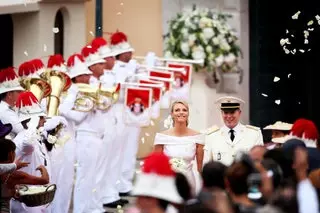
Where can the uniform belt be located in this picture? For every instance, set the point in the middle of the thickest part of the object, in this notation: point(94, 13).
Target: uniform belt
point(88, 132)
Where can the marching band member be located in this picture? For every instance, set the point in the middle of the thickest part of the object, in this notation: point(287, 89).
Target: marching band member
point(9, 91)
point(108, 194)
point(30, 147)
point(88, 139)
point(123, 49)
point(223, 144)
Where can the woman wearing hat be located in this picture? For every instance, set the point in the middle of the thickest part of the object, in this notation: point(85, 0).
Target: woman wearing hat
point(279, 133)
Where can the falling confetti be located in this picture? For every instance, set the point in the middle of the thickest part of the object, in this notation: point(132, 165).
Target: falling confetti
point(121, 3)
point(265, 95)
point(142, 139)
point(309, 50)
point(287, 31)
point(306, 33)
point(91, 33)
point(276, 79)
point(141, 163)
point(278, 102)
point(310, 23)
point(94, 190)
point(289, 75)
point(26, 53)
point(299, 102)
point(310, 29)
point(293, 51)
point(55, 30)
point(99, 28)
point(119, 13)
point(147, 134)
point(296, 15)
point(301, 50)
point(292, 36)
point(44, 48)
point(152, 123)
point(317, 17)
point(284, 41)
point(306, 41)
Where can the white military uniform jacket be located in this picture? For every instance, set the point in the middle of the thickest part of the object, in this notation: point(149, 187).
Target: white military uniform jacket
point(219, 146)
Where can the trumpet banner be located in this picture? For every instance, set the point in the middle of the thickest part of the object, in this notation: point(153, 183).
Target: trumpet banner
point(181, 88)
point(138, 106)
point(166, 92)
point(156, 97)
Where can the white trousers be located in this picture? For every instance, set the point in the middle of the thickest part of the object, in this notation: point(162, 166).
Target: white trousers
point(17, 207)
point(65, 180)
point(130, 157)
point(87, 155)
point(116, 143)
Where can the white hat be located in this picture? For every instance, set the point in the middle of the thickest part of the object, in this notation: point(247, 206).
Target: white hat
point(120, 44)
point(91, 56)
point(77, 66)
point(9, 81)
point(157, 179)
point(57, 63)
point(28, 106)
point(103, 48)
point(31, 69)
point(281, 139)
point(279, 125)
point(230, 103)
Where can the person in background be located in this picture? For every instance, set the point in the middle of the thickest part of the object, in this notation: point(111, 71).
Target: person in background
point(279, 133)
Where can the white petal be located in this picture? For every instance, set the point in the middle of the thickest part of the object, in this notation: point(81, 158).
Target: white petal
point(121, 3)
point(278, 101)
point(265, 95)
point(94, 190)
point(292, 35)
point(293, 51)
point(317, 17)
point(287, 31)
point(306, 33)
point(141, 163)
point(319, 22)
point(276, 79)
point(26, 53)
point(296, 15)
point(301, 50)
point(45, 48)
point(91, 33)
point(286, 51)
point(309, 50)
point(119, 13)
point(299, 102)
point(289, 75)
point(306, 41)
point(310, 23)
point(152, 123)
point(55, 30)
point(310, 29)
point(142, 139)
point(147, 134)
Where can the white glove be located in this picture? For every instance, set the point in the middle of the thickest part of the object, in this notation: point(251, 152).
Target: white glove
point(151, 59)
point(73, 89)
point(53, 122)
point(132, 66)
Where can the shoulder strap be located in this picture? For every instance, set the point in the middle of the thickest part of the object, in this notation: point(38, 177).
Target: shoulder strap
point(253, 127)
point(210, 130)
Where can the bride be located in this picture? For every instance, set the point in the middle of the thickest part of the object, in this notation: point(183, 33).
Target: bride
point(182, 142)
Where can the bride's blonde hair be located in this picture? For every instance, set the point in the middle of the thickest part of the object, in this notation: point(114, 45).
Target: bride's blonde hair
point(184, 104)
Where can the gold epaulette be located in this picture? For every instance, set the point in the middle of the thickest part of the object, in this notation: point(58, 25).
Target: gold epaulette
point(210, 130)
point(253, 127)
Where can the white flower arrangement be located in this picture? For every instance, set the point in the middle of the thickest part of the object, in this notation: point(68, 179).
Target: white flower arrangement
point(178, 165)
point(203, 34)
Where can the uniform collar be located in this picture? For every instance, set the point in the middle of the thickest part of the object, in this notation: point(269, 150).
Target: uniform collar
point(236, 129)
point(4, 105)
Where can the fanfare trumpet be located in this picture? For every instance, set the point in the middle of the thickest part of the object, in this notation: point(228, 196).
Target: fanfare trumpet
point(89, 97)
point(59, 82)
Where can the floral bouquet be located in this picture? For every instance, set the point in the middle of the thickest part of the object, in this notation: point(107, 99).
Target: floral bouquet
point(178, 165)
point(203, 34)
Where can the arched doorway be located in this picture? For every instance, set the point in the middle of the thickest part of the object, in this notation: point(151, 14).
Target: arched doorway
point(59, 36)
point(6, 41)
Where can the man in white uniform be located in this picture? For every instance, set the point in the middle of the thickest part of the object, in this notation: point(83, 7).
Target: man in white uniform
point(9, 91)
point(124, 51)
point(222, 144)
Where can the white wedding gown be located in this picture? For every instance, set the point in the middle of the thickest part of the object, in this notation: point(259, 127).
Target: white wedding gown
point(182, 147)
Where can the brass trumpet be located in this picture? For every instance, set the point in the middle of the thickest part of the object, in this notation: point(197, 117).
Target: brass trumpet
point(37, 86)
point(86, 98)
point(107, 97)
point(59, 82)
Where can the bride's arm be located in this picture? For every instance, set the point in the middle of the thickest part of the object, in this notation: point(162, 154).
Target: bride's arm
point(199, 156)
point(158, 148)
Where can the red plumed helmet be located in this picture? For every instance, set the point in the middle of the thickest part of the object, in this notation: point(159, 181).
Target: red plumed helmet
point(26, 98)
point(98, 42)
point(9, 81)
point(71, 59)
point(91, 56)
point(158, 163)
point(157, 179)
point(102, 46)
point(56, 62)
point(119, 43)
point(28, 106)
point(305, 130)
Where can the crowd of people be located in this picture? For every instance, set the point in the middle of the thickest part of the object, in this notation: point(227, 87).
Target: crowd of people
point(65, 124)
